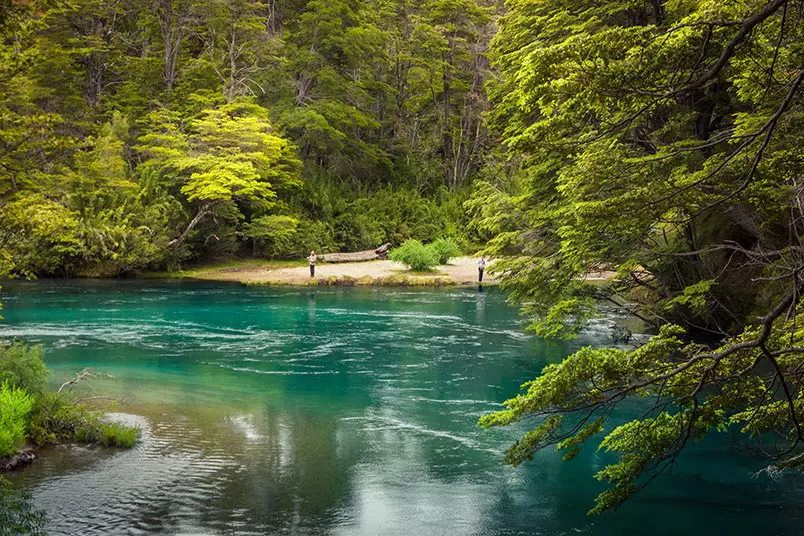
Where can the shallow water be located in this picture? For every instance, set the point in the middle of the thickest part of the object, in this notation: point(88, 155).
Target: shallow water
point(336, 411)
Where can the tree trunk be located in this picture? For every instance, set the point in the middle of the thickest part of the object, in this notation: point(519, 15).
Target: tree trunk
point(172, 22)
point(205, 210)
point(447, 149)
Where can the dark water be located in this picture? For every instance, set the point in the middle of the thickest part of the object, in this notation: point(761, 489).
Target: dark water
point(286, 411)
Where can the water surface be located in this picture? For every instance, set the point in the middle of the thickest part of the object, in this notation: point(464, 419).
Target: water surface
point(336, 411)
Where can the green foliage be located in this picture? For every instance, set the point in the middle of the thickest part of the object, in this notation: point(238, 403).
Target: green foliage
point(311, 236)
point(54, 420)
point(446, 249)
point(273, 235)
point(57, 418)
point(27, 410)
point(415, 255)
point(15, 405)
point(140, 137)
point(114, 434)
point(43, 235)
point(661, 142)
point(22, 366)
point(18, 515)
point(693, 297)
point(364, 219)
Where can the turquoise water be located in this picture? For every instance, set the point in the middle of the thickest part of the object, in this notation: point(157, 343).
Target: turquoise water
point(343, 411)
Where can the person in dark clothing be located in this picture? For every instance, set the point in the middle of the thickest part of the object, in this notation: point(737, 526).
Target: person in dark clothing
point(481, 265)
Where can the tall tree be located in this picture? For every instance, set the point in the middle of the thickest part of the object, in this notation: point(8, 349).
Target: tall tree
point(175, 18)
point(331, 49)
point(451, 34)
point(238, 43)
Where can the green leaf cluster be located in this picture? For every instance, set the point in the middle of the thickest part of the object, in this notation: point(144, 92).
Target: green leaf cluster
point(446, 248)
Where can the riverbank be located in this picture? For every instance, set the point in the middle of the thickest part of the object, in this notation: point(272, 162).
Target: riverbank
point(460, 271)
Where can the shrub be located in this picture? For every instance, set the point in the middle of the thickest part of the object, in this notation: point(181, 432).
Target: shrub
point(23, 367)
point(445, 248)
point(15, 405)
point(57, 420)
point(415, 255)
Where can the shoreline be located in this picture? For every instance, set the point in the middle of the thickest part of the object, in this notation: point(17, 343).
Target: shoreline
point(461, 271)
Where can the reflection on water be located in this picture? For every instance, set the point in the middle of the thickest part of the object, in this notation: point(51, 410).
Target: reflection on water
point(349, 411)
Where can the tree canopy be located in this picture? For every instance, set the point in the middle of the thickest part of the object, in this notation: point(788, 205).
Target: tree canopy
point(661, 141)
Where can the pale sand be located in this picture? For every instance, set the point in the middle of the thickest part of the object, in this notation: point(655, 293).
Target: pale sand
point(460, 271)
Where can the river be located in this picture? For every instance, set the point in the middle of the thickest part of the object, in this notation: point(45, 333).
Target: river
point(336, 411)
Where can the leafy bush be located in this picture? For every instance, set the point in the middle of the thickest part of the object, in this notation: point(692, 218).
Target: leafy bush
point(23, 367)
point(414, 254)
point(57, 419)
point(445, 248)
point(15, 405)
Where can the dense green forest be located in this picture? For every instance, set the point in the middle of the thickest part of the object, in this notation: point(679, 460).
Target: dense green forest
point(145, 133)
point(660, 140)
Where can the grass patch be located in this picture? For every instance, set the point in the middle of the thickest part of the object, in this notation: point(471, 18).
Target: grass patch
point(113, 434)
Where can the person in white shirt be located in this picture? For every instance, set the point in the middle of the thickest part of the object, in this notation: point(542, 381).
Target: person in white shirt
point(311, 261)
point(481, 265)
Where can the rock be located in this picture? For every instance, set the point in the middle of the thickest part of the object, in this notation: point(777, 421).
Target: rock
point(19, 461)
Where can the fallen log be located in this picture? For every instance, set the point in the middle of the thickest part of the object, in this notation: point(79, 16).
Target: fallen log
point(357, 256)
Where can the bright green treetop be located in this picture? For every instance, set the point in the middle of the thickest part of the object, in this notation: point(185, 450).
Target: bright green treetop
point(228, 154)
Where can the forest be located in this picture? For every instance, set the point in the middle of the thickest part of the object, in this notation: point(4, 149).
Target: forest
point(146, 134)
point(659, 140)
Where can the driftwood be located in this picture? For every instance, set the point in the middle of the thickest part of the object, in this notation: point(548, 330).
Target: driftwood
point(81, 376)
point(358, 256)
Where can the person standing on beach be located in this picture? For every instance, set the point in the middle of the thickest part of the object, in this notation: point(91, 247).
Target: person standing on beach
point(311, 261)
point(481, 265)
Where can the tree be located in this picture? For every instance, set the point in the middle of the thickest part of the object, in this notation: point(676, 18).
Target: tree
point(451, 66)
point(332, 53)
point(238, 44)
point(663, 142)
point(229, 153)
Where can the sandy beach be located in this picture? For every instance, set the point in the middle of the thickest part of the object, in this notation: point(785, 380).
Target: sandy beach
point(460, 271)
